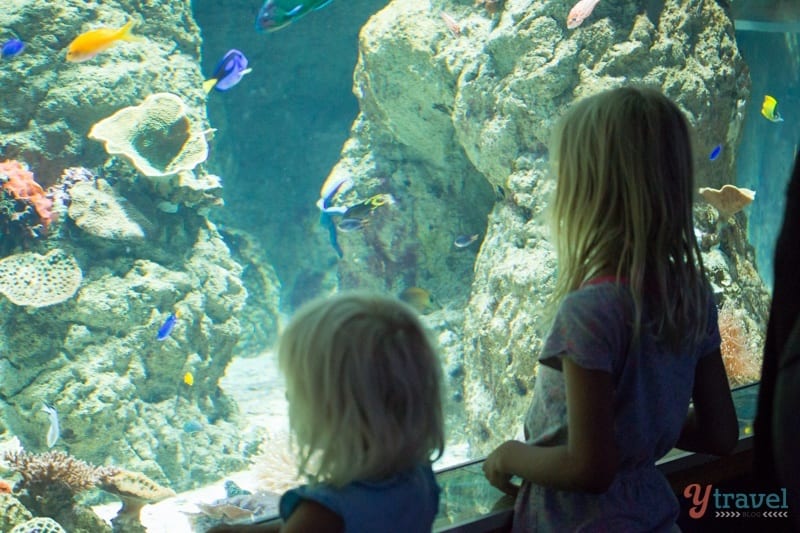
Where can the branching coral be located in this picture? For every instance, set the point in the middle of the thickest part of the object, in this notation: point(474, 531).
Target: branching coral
point(742, 363)
point(40, 472)
point(50, 481)
point(53, 479)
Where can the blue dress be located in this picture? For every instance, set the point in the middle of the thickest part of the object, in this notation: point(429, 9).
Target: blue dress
point(405, 502)
point(652, 389)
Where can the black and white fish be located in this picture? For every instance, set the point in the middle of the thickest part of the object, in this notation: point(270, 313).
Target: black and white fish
point(462, 241)
point(55, 430)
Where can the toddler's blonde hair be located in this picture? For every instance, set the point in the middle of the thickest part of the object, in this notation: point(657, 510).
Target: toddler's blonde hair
point(623, 206)
point(363, 385)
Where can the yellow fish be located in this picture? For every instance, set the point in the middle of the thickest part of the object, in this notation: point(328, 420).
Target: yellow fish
point(419, 299)
point(90, 43)
point(379, 200)
point(768, 109)
point(188, 378)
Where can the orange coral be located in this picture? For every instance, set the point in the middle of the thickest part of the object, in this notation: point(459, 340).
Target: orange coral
point(5, 487)
point(19, 182)
point(742, 363)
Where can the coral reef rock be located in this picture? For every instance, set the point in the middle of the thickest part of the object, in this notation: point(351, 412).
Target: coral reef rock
point(39, 280)
point(51, 103)
point(12, 512)
point(97, 210)
point(119, 390)
point(96, 358)
point(191, 190)
point(157, 136)
point(474, 122)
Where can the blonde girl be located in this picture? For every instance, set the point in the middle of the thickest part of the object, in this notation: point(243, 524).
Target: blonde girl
point(634, 336)
point(363, 385)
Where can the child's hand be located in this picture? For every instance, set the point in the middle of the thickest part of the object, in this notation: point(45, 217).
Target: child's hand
point(496, 472)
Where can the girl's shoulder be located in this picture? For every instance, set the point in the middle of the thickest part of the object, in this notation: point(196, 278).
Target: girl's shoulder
point(382, 501)
point(599, 294)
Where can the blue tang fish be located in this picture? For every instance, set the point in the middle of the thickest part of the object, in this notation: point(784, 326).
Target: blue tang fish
point(12, 47)
point(715, 153)
point(277, 14)
point(229, 71)
point(329, 211)
point(167, 327)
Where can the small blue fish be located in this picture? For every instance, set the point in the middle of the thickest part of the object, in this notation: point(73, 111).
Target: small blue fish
point(166, 329)
point(12, 47)
point(229, 71)
point(193, 426)
point(715, 153)
point(55, 430)
point(462, 241)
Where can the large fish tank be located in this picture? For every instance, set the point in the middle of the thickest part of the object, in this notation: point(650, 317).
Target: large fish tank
point(185, 228)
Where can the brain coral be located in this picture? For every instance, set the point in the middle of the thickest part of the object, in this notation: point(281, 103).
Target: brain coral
point(39, 525)
point(39, 280)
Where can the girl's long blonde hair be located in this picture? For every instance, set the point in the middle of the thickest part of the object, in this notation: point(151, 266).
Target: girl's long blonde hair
point(623, 207)
point(363, 385)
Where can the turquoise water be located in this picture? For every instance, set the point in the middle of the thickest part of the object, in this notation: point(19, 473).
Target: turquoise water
point(766, 154)
point(145, 282)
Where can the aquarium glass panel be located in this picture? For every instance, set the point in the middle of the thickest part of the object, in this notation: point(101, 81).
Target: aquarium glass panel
point(178, 178)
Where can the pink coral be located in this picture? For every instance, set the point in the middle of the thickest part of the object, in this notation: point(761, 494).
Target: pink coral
point(20, 183)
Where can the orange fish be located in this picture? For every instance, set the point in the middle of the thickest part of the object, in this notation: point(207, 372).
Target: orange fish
point(90, 43)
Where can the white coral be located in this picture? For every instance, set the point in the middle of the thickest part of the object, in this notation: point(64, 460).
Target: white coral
point(39, 525)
